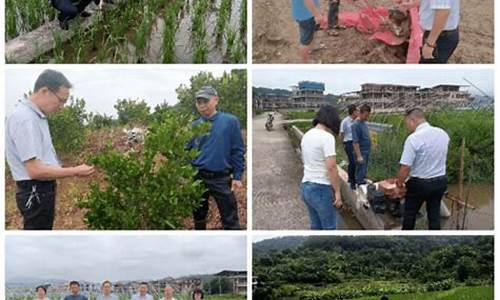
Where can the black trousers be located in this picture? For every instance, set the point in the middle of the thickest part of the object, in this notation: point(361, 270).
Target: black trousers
point(333, 13)
point(445, 46)
point(69, 9)
point(430, 191)
point(219, 187)
point(36, 200)
point(351, 170)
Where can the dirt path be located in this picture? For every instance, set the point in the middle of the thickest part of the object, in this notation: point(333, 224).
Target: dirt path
point(275, 37)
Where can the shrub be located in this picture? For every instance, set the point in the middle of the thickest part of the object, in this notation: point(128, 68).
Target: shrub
point(153, 188)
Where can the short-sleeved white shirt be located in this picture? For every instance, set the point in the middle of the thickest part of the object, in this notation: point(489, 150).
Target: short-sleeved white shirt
point(428, 9)
point(345, 128)
point(317, 145)
point(425, 151)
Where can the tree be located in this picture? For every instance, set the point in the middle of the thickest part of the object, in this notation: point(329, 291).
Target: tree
point(67, 127)
point(132, 112)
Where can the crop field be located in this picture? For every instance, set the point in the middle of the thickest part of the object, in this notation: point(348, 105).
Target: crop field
point(140, 31)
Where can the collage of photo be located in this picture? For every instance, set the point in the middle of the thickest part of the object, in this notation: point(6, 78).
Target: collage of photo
point(248, 149)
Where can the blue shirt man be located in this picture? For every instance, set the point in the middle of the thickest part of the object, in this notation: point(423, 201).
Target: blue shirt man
point(300, 11)
point(222, 154)
point(362, 143)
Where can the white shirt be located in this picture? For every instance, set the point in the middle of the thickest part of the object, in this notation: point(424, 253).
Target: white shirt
point(428, 9)
point(139, 297)
point(425, 151)
point(345, 128)
point(317, 145)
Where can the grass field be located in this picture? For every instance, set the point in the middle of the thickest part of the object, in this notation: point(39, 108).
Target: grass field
point(461, 293)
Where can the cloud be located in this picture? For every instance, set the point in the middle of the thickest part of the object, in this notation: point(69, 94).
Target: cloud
point(95, 258)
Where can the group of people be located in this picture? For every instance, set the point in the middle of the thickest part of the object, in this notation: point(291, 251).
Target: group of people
point(35, 166)
point(422, 166)
point(107, 292)
point(439, 20)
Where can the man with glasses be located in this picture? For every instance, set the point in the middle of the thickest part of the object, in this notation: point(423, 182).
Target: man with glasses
point(221, 161)
point(31, 155)
point(424, 162)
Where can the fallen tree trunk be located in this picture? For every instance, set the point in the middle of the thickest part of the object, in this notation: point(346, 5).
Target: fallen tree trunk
point(27, 47)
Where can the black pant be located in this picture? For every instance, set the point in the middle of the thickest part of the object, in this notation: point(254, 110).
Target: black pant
point(430, 191)
point(36, 200)
point(219, 187)
point(333, 13)
point(445, 46)
point(69, 9)
point(351, 170)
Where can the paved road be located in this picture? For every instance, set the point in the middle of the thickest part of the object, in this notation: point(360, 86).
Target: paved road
point(277, 172)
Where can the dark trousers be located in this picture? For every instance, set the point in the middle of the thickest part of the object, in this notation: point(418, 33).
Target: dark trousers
point(219, 187)
point(445, 46)
point(431, 192)
point(36, 200)
point(333, 13)
point(351, 169)
point(69, 9)
point(362, 169)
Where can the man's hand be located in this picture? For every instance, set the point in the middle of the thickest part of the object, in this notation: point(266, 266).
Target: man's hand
point(338, 201)
point(236, 185)
point(318, 18)
point(84, 170)
point(360, 160)
point(427, 52)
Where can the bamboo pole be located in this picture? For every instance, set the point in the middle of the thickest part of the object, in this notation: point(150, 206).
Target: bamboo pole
point(461, 181)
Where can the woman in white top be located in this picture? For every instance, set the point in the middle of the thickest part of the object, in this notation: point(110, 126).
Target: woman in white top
point(320, 185)
point(41, 293)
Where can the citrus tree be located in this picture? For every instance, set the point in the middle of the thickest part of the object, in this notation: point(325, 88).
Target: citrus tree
point(151, 188)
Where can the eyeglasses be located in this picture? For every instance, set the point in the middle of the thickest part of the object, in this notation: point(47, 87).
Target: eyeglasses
point(62, 101)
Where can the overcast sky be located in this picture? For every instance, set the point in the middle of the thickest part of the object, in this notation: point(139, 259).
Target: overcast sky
point(101, 87)
point(96, 258)
point(340, 80)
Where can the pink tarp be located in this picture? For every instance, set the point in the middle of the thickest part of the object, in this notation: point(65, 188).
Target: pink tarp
point(369, 19)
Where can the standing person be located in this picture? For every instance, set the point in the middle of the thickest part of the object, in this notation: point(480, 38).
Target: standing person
point(440, 21)
point(362, 143)
point(221, 161)
point(30, 154)
point(424, 161)
point(320, 185)
point(198, 294)
point(307, 13)
point(74, 287)
point(41, 293)
point(107, 292)
point(346, 138)
point(143, 292)
point(168, 293)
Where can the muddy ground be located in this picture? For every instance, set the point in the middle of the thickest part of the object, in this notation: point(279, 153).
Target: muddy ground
point(275, 37)
point(70, 190)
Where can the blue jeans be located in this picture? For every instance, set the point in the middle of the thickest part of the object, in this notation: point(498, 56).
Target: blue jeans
point(362, 168)
point(351, 170)
point(319, 201)
point(69, 9)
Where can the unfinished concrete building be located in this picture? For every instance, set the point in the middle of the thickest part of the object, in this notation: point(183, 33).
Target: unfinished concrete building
point(308, 95)
point(390, 97)
point(305, 95)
